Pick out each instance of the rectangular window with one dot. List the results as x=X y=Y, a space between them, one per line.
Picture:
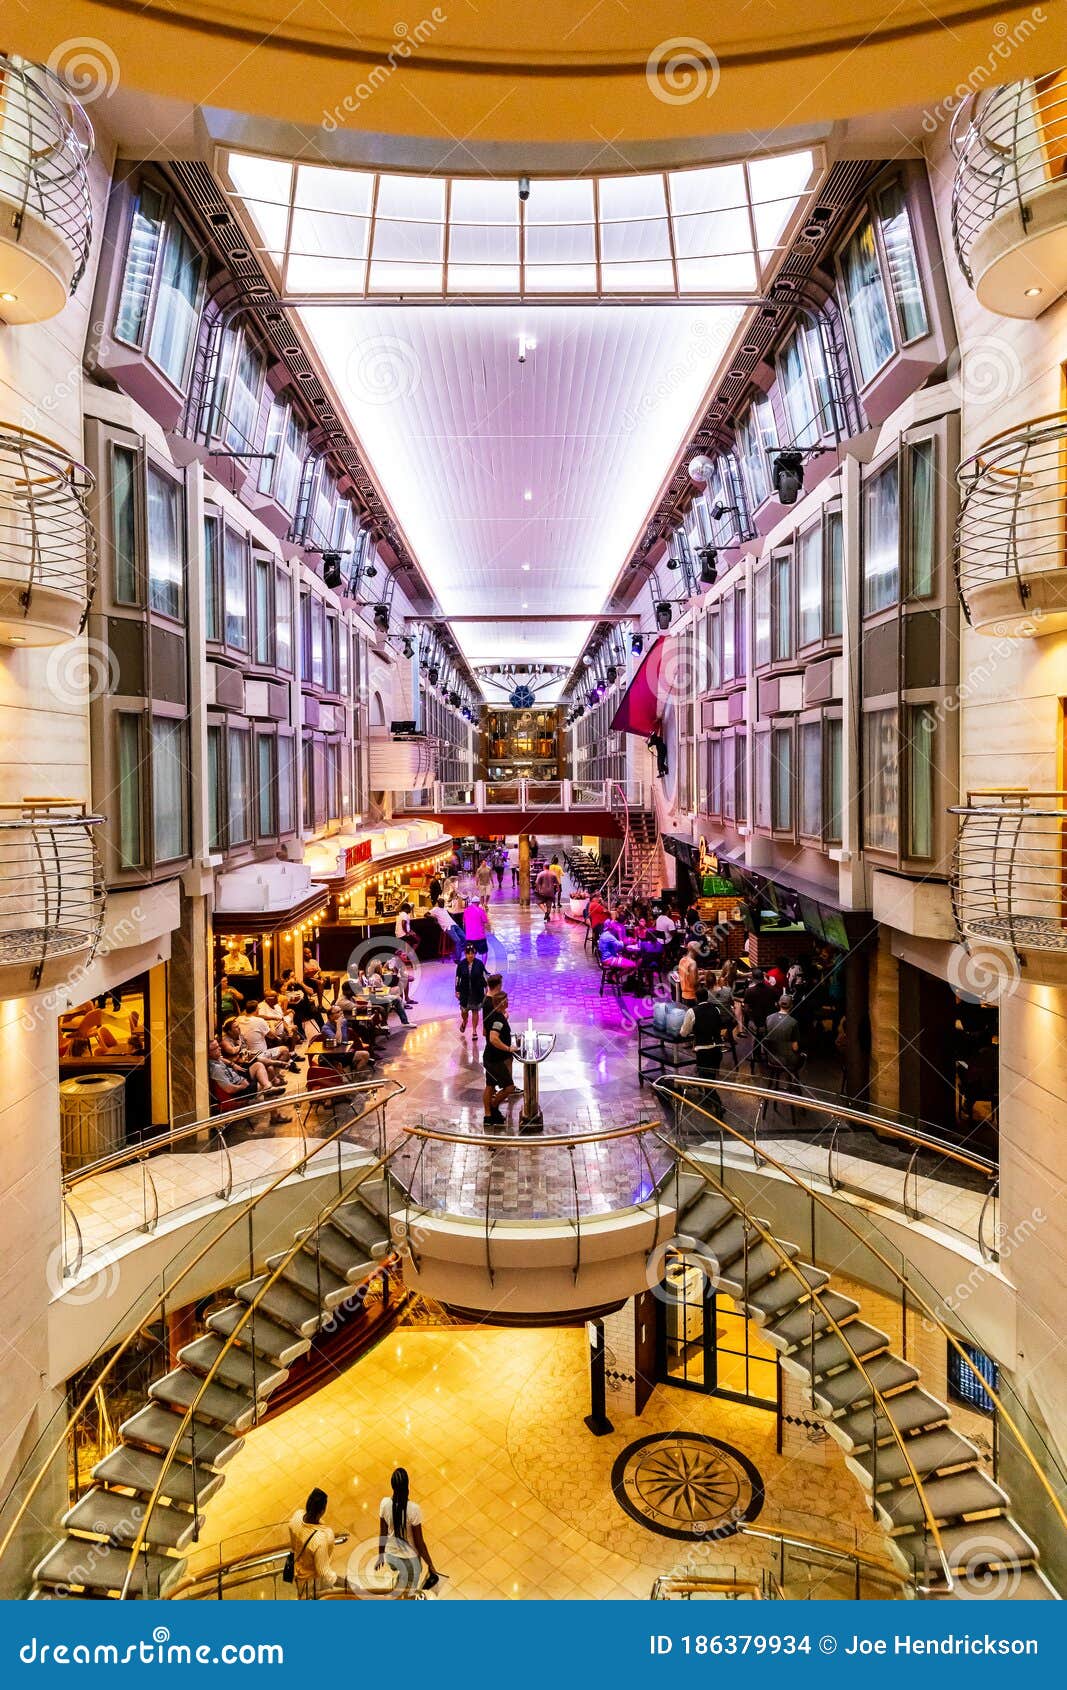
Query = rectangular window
x=763 y=780
x=238 y=785
x=130 y=844
x=332 y=656
x=782 y=606
x=318 y=622
x=266 y=785
x=729 y=659
x=124 y=525
x=166 y=559
x=235 y=555
x=169 y=807
x=881 y=780
x=834 y=563
x=898 y=243
x=881 y=540
x=740 y=776
x=342 y=660
x=741 y=632
x=308 y=761
x=212 y=579
x=782 y=778
x=921 y=518
x=819 y=377
x=177 y=311
x=714 y=652
x=142 y=253
x=263 y=575
x=809 y=585
x=216 y=790
x=796 y=394
x=834 y=787
x=865 y=301
x=283 y=620
x=762 y=588
x=240 y=404
x=922 y=728
x=286 y=815
x=305 y=638
x=715 y=777
x=811 y=779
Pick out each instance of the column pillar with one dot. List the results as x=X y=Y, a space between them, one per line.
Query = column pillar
x=884 y=1019
x=189 y=1012
x=524 y=870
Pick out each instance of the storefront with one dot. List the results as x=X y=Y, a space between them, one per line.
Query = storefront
x=367 y=877
x=266 y=916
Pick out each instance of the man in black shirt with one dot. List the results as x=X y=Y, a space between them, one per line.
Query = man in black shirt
x=706 y=1022
x=470 y=988
x=497 y=1059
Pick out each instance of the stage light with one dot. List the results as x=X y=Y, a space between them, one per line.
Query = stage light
x=709 y=565
x=787 y=473
x=637 y=644
x=409 y=649
x=381 y=618
x=663 y=614
x=331 y=568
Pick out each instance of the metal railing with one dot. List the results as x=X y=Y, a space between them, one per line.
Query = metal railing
x=46 y=538
x=46 y=140
x=1010 y=523
x=150 y=1312
x=434 y=1184
x=155 y=1188
x=798 y=1567
x=912 y=1299
x=1009 y=871
x=1013 y=151
x=563 y=796
x=51 y=892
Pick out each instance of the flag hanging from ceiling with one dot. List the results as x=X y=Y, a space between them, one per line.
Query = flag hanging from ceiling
x=640 y=708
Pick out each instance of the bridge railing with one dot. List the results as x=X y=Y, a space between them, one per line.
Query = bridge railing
x=535 y=795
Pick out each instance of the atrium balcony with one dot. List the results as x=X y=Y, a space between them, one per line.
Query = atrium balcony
x=1009 y=553
x=1009 y=197
x=1009 y=884
x=47 y=544
x=51 y=893
x=46 y=217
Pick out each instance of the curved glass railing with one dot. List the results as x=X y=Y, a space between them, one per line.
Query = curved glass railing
x=249 y=1565
x=905 y=1304
x=793 y=1566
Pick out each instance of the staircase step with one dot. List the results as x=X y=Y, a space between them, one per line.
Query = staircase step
x=367 y=1230
x=217 y=1403
x=376 y=1195
x=708 y=1212
x=97 y=1567
x=928 y=1452
x=951 y=1498
x=799 y=1324
x=727 y=1242
x=266 y=1337
x=835 y=1350
x=686 y=1189
x=282 y=1303
x=239 y=1368
x=139 y=1470
x=342 y=1256
x=776 y=1296
x=155 y=1427
x=764 y=1261
x=109 y=1514
x=971 y=1548
x=311 y=1277
x=849 y=1388
x=1022 y=1584
x=912 y=1411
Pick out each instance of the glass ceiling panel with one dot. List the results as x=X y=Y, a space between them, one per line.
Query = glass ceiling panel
x=417 y=197
x=560 y=202
x=622 y=241
x=334 y=237
x=708 y=190
x=322 y=189
x=781 y=177
x=632 y=196
x=484 y=202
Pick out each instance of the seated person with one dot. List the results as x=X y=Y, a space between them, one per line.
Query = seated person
x=281 y=1024
x=231 y=1079
x=381 y=994
x=230 y=999
x=336 y=1031
x=615 y=925
x=609 y=945
x=236 y=1051
x=596 y=913
x=301 y=1006
x=256 y=1035
x=759 y=1001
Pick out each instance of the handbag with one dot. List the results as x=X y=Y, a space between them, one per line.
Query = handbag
x=289 y=1564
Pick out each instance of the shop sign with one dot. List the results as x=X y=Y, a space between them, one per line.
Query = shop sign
x=356 y=854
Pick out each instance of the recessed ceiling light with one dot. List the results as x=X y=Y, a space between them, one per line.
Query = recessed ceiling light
x=525 y=606
x=9 y=298
x=18 y=639
x=528 y=494
x=1031 y=293
x=526 y=568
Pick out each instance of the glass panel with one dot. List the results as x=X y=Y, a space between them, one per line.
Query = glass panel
x=286 y=817
x=319 y=234
x=408 y=243
x=811 y=778
x=834 y=573
x=899 y=244
x=741 y=630
x=412 y=197
x=560 y=243
x=264 y=571
x=819 y=377
x=324 y=189
x=283 y=620
x=866 y=301
x=212 y=580
x=622 y=242
x=239 y=753
x=809 y=570
x=833 y=779
x=177 y=307
x=685 y=1322
x=740 y=772
x=146 y=233
x=166 y=562
x=490 y=243
x=728 y=658
x=922 y=727
x=266 y=748
x=922 y=518
x=215 y=816
x=783 y=606
x=567 y=201
x=881 y=540
x=796 y=395
x=235 y=550
x=707 y=190
x=128 y=729
x=763 y=780
x=484 y=202
x=169 y=808
x=763 y=616
x=318 y=619
x=241 y=400
x=717 y=275
x=124 y=525
x=753 y=457
x=881 y=779
x=782 y=772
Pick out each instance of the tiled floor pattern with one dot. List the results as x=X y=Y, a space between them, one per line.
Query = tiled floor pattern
x=515 y=1489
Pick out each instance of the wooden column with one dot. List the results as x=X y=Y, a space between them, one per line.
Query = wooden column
x=524 y=869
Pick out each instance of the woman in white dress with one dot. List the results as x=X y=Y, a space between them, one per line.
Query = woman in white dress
x=401 y=1544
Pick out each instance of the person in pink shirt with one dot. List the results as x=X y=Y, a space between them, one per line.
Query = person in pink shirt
x=476 y=928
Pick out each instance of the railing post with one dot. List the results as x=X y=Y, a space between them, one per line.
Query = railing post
x=479 y=795
x=565 y=794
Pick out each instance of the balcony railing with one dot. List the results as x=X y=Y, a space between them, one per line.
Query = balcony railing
x=47 y=544
x=1009 y=882
x=1010 y=534
x=46 y=213
x=1009 y=196
x=51 y=893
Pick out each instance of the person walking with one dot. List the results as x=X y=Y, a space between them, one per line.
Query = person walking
x=546 y=887
x=311 y=1544
x=477 y=927
x=470 y=988
x=483 y=880
x=497 y=1059
x=500 y=863
x=401 y=1543
x=555 y=867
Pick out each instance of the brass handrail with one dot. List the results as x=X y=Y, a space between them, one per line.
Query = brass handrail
x=393 y=1088
x=903 y=1281
x=686 y=1584
x=510 y=1142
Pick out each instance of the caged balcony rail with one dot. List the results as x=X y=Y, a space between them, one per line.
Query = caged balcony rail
x=1009 y=882
x=51 y=893
x=48 y=559
x=1010 y=536
x=46 y=212
x=1009 y=194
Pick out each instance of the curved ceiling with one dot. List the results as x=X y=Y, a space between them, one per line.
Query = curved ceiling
x=607 y=73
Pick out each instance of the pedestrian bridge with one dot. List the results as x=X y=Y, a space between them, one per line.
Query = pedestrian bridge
x=514 y=806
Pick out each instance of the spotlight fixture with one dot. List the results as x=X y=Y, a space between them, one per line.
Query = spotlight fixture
x=787 y=473
x=637 y=644
x=672 y=562
x=433 y=676
x=409 y=649
x=331 y=568
x=708 y=558
x=370 y=570
x=663 y=614
x=381 y=618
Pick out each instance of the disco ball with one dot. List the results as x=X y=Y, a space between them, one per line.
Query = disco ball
x=522 y=698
